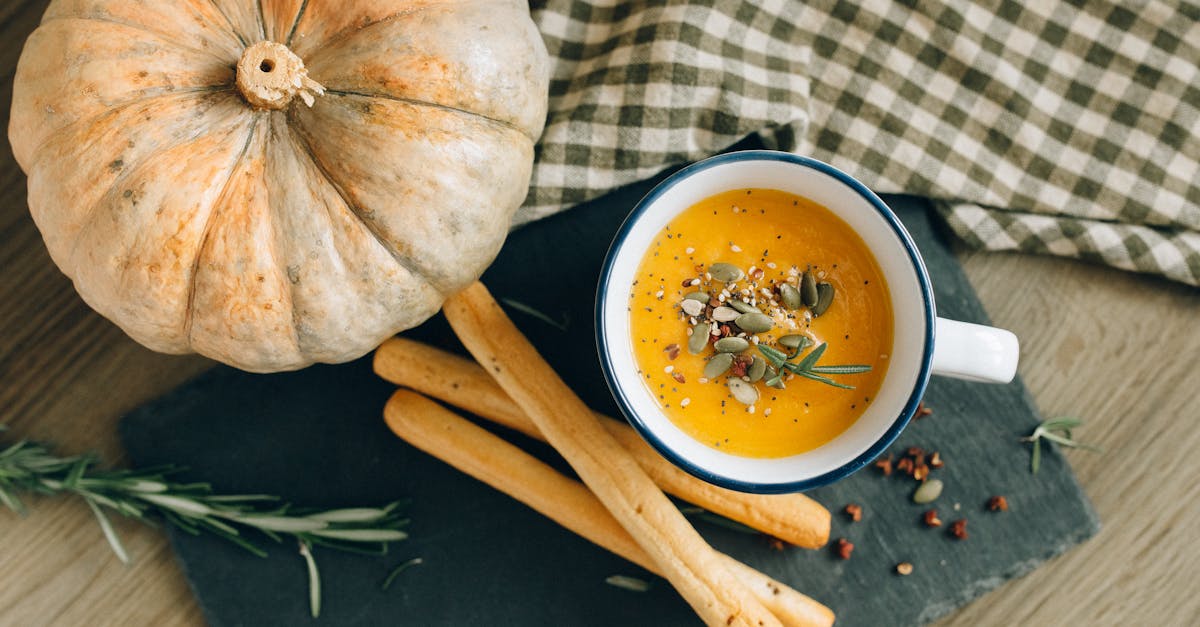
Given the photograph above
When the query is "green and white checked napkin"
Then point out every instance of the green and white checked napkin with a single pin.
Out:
(1071, 129)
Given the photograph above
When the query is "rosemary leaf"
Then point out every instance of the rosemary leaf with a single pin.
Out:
(633, 584)
(356, 514)
(530, 311)
(362, 535)
(314, 580)
(810, 360)
(848, 369)
(110, 534)
(387, 583)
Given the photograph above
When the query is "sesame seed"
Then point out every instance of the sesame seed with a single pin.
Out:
(735, 248)
(767, 411)
(695, 282)
(771, 265)
(669, 369)
(689, 250)
(737, 209)
(659, 294)
(685, 402)
(702, 380)
(750, 409)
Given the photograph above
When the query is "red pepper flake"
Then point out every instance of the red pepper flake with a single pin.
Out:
(854, 512)
(884, 465)
(843, 548)
(905, 465)
(740, 365)
(935, 460)
(998, 504)
(672, 351)
(958, 529)
(678, 376)
(920, 471)
(931, 519)
(904, 568)
(922, 410)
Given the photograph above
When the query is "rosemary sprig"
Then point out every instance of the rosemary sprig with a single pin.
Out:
(540, 315)
(1057, 430)
(30, 467)
(807, 367)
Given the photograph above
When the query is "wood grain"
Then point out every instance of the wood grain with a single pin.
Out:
(1119, 350)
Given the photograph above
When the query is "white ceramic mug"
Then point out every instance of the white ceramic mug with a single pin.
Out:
(923, 343)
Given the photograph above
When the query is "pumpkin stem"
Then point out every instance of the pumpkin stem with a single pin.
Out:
(269, 76)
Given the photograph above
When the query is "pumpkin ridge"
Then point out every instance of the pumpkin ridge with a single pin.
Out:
(187, 322)
(425, 103)
(128, 171)
(185, 92)
(165, 37)
(229, 23)
(296, 22)
(401, 260)
(353, 29)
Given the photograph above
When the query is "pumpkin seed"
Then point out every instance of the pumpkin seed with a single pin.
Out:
(698, 296)
(790, 296)
(754, 322)
(928, 491)
(724, 314)
(824, 298)
(718, 365)
(698, 339)
(745, 393)
(726, 272)
(691, 307)
(731, 345)
(808, 289)
(743, 307)
(757, 369)
(792, 341)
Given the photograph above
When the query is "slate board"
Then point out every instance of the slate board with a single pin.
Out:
(317, 438)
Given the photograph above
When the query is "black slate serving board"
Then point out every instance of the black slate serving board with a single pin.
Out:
(317, 438)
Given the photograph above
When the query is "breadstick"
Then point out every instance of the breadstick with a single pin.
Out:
(793, 518)
(682, 556)
(477, 452)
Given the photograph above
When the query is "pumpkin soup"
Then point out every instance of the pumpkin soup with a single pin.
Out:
(761, 323)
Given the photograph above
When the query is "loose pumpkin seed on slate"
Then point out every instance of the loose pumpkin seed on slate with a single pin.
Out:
(698, 296)
(928, 491)
(731, 345)
(808, 289)
(698, 339)
(754, 322)
(724, 314)
(790, 296)
(792, 341)
(757, 369)
(726, 272)
(691, 307)
(718, 365)
(743, 307)
(745, 393)
(824, 298)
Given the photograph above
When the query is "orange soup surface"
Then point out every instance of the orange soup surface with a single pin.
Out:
(752, 257)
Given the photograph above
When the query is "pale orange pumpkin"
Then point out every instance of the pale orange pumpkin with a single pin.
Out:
(279, 182)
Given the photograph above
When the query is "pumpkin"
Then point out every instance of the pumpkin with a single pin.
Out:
(273, 183)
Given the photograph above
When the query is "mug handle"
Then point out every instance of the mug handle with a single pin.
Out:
(974, 352)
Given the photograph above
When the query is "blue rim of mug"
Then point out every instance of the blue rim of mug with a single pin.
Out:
(647, 433)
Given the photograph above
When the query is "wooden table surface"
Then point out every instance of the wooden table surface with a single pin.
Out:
(1120, 350)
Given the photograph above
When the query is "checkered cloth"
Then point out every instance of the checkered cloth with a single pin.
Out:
(1036, 126)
